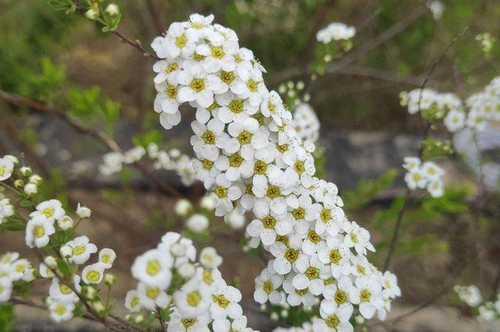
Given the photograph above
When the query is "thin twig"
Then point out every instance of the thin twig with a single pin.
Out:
(106, 140)
(135, 44)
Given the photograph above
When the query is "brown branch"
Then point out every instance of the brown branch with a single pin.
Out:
(23, 102)
(135, 44)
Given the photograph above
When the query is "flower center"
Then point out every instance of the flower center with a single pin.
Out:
(218, 52)
(245, 137)
(314, 237)
(221, 301)
(301, 292)
(207, 164)
(64, 289)
(188, 322)
(106, 259)
(236, 106)
(252, 85)
(260, 167)
(299, 167)
(335, 256)
(268, 287)
(227, 77)
(171, 91)
(291, 255)
(299, 213)
(153, 293)
(283, 148)
(341, 297)
(60, 310)
(365, 295)
(78, 250)
(153, 267)
(221, 192)
(181, 41)
(269, 222)
(198, 57)
(283, 239)
(48, 212)
(312, 273)
(332, 321)
(94, 276)
(273, 192)
(171, 68)
(207, 277)
(209, 137)
(39, 231)
(197, 85)
(326, 215)
(194, 298)
(235, 160)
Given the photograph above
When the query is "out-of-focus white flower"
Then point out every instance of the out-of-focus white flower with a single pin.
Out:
(83, 211)
(209, 258)
(335, 31)
(182, 207)
(197, 223)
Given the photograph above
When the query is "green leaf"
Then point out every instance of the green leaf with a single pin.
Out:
(64, 268)
(12, 225)
(6, 317)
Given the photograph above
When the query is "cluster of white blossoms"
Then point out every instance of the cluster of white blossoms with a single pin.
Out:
(173, 160)
(200, 299)
(248, 155)
(335, 31)
(29, 181)
(484, 106)
(13, 269)
(6, 208)
(486, 310)
(478, 110)
(425, 175)
(306, 123)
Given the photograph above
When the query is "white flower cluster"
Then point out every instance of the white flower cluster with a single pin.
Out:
(306, 123)
(480, 107)
(425, 175)
(335, 31)
(30, 181)
(484, 106)
(12, 270)
(172, 160)
(196, 221)
(248, 155)
(203, 299)
(471, 295)
(6, 208)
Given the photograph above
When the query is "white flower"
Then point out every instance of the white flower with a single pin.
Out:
(83, 211)
(312, 277)
(268, 227)
(334, 318)
(335, 253)
(6, 209)
(78, 250)
(5, 289)
(272, 106)
(226, 194)
(235, 219)
(358, 238)
(60, 292)
(133, 301)
(370, 299)
(61, 311)
(184, 323)
(182, 207)
(191, 300)
(52, 210)
(454, 120)
(209, 258)
(390, 284)
(415, 179)
(6, 168)
(288, 257)
(224, 303)
(411, 163)
(432, 171)
(152, 297)
(107, 257)
(208, 201)
(38, 232)
(30, 189)
(22, 270)
(153, 268)
(197, 223)
(436, 188)
(93, 274)
(266, 287)
(469, 294)
(65, 223)
(335, 31)
(112, 9)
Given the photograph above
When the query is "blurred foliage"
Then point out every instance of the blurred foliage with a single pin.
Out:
(6, 318)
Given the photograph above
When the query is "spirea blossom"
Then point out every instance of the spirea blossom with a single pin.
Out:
(251, 158)
(306, 123)
(203, 298)
(426, 175)
(335, 31)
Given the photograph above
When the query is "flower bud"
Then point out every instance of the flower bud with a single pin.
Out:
(109, 279)
(19, 183)
(91, 14)
(25, 171)
(112, 9)
(83, 211)
(30, 189)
